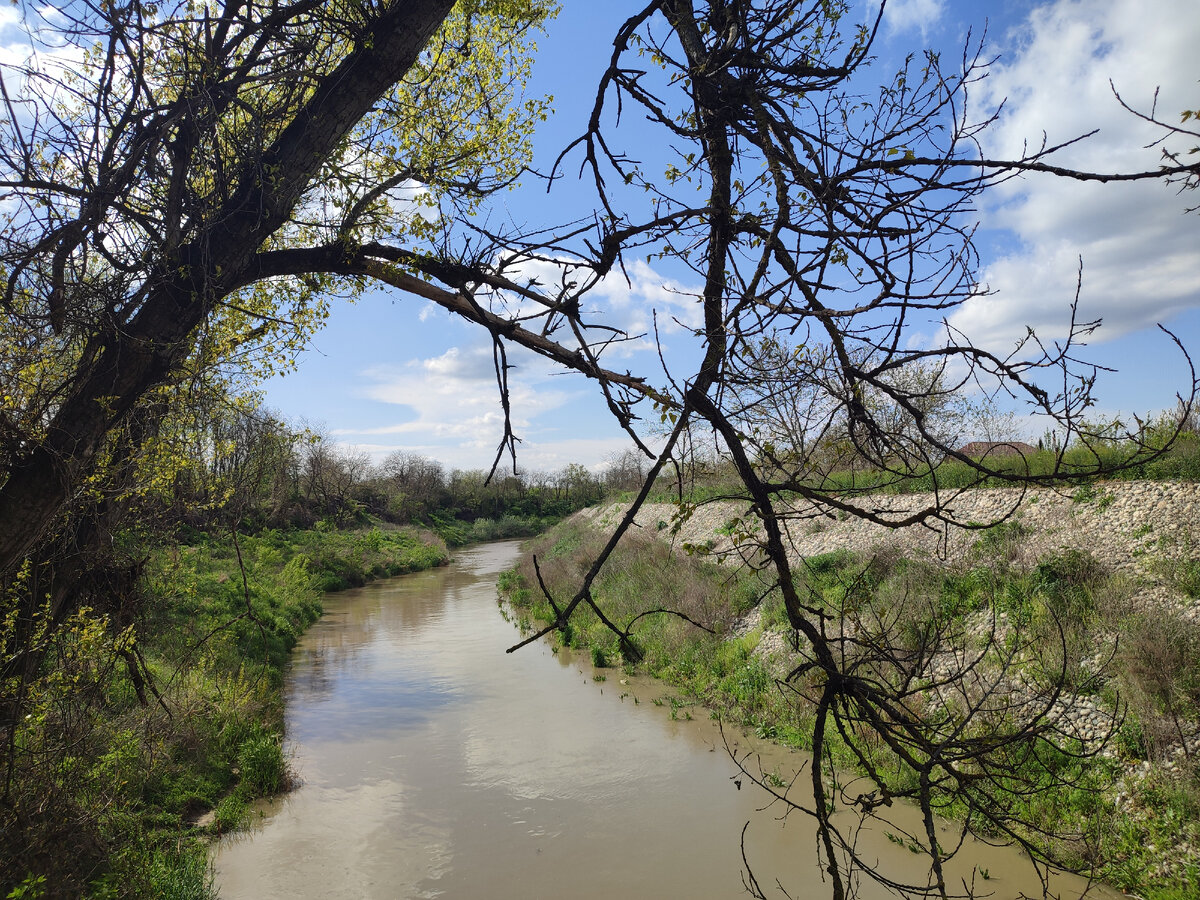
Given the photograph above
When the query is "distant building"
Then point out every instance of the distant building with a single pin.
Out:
(977, 449)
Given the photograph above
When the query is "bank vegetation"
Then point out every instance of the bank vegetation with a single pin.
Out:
(155, 717)
(1107, 784)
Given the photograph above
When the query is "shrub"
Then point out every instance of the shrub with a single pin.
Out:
(1067, 580)
(262, 767)
(1160, 664)
(230, 812)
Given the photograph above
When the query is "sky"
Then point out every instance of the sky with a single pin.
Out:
(393, 372)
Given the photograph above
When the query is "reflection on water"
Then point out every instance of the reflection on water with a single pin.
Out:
(436, 765)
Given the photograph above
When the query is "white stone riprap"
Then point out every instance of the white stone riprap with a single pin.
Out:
(1135, 527)
(1142, 530)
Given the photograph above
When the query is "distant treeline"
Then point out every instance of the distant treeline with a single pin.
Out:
(263, 473)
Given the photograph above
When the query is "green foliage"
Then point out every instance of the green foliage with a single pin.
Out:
(230, 812)
(141, 868)
(32, 887)
(1001, 537)
(261, 766)
(1160, 675)
(457, 533)
(183, 875)
(705, 668)
(1180, 462)
(108, 785)
(1182, 571)
(1066, 580)
(1187, 578)
(1164, 811)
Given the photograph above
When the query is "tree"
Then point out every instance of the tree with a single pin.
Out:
(233, 459)
(419, 483)
(578, 485)
(787, 402)
(187, 184)
(165, 167)
(1174, 158)
(329, 479)
(625, 471)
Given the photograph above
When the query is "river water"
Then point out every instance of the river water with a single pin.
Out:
(435, 765)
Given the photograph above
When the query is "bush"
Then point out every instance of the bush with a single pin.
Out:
(230, 812)
(261, 764)
(1160, 665)
(1066, 579)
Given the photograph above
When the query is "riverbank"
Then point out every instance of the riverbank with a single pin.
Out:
(1115, 563)
(149, 739)
(436, 765)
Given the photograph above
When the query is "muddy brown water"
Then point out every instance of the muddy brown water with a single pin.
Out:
(435, 765)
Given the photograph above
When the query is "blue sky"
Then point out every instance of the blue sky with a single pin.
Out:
(393, 372)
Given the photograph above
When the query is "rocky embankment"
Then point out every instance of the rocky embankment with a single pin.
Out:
(1144, 532)
(1140, 528)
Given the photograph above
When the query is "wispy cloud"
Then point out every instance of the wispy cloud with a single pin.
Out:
(1138, 250)
(638, 301)
(455, 394)
(907, 15)
(648, 300)
(446, 404)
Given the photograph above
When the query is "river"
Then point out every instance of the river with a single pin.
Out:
(435, 765)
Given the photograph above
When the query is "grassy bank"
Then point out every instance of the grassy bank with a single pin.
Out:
(1135, 808)
(459, 533)
(1120, 460)
(144, 740)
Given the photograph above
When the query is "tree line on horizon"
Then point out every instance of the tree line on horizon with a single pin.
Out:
(247, 468)
(242, 466)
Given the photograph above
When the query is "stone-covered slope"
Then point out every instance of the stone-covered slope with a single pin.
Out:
(1141, 528)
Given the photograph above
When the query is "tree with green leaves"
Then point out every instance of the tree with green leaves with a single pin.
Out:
(167, 170)
(188, 183)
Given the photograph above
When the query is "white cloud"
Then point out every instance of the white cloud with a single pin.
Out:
(456, 395)
(9, 15)
(32, 38)
(451, 412)
(446, 405)
(903, 15)
(452, 406)
(625, 300)
(633, 303)
(1139, 251)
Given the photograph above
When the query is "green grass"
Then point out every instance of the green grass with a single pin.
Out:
(1122, 460)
